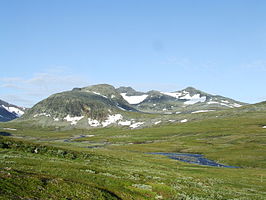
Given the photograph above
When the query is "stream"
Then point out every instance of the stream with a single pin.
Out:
(193, 158)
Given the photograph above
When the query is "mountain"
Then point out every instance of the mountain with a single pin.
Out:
(9, 112)
(104, 105)
(93, 106)
(189, 100)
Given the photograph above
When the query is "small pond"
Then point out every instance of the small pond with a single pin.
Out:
(193, 158)
(5, 134)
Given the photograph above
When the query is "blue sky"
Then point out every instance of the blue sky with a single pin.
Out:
(55, 45)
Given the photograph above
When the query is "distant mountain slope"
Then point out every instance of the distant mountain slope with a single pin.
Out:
(103, 105)
(188, 100)
(9, 112)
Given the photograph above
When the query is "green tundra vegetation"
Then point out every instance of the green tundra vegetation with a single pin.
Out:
(113, 163)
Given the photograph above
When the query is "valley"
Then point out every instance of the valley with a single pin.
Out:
(114, 162)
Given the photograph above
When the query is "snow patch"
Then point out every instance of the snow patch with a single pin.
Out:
(124, 123)
(264, 127)
(213, 102)
(157, 122)
(112, 119)
(73, 120)
(222, 104)
(225, 101)
(56, 119)
(194, 99)
(186, 95)
(183, 120)
(236, 105)
(136, 125)
(134, 99)
(93, 122)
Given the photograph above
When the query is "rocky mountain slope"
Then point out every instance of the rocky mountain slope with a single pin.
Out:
(9, 112)
(189, 100)
(103, 105)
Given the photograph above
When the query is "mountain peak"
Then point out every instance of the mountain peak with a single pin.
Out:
(190, 88)
(104, 90)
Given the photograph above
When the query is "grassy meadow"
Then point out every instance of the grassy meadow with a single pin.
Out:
(112, 163)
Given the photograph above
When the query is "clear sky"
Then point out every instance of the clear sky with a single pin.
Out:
(47, 46)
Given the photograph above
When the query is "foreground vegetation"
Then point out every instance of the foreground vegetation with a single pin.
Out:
(113, 163)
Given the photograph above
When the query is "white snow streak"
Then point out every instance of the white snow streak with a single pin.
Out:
(10, 129)
(201, 111)
(121, 108)
(213, 102)
(99, 94)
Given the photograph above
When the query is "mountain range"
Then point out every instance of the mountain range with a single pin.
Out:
(9, 111)
(184, 101)
(104, 105)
